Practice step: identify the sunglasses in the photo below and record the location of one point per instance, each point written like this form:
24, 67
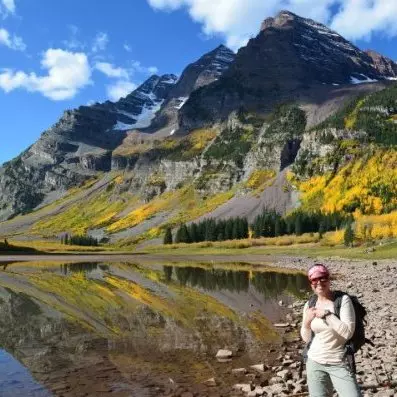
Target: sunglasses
319, 280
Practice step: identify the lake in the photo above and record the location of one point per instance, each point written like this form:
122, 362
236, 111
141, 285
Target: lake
128, 329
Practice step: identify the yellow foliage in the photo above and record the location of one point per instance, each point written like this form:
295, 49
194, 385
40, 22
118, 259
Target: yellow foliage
351, 119
368, 184
376, 226
333, 238
200, 138
189, 203
96, 211
259, 178
118, 180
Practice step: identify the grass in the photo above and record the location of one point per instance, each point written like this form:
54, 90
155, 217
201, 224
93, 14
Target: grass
7, 247
252, 247
54, 246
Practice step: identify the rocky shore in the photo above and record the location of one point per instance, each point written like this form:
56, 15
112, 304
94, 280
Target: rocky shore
374, 283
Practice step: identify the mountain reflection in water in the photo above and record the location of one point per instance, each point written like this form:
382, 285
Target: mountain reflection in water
99, 328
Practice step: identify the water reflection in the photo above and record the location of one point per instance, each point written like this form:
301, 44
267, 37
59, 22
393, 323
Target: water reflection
84, 267
270, 284
72, 324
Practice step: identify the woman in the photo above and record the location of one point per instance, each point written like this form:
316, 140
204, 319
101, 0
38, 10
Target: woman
326, 366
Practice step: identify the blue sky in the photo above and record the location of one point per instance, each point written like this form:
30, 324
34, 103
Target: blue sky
57, 55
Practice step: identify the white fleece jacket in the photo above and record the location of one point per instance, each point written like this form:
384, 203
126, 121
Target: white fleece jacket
330, 334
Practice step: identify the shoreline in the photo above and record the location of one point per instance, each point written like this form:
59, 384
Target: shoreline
374, 282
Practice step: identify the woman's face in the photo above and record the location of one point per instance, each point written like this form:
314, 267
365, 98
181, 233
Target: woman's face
321, 286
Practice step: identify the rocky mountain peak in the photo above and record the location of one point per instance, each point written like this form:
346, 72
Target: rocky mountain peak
383, 64
207, 69
288, 57
281, 19
204, 71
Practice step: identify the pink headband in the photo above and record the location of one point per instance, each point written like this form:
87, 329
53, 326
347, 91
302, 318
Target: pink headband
317, 271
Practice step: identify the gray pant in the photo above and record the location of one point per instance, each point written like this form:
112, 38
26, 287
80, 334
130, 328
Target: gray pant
322, 378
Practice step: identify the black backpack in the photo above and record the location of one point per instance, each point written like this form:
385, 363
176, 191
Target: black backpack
358, 339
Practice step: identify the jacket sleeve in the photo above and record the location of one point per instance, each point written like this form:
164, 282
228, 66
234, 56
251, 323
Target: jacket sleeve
306, 333
345, 325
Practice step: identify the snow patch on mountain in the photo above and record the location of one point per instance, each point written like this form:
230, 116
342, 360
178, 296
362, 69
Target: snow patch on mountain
365, 79
181, 101
143, 120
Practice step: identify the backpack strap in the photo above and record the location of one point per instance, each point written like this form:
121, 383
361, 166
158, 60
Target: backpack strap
337, 298
312, 301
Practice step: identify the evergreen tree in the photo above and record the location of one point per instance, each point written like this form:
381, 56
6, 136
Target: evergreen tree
321, 229
277, 227
184, 234
168, 236
229, 229
349, 235
298, 225
194, 233
235, 232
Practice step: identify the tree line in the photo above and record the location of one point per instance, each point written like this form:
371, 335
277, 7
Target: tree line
272, 224
209, 230
77, 239
267, 224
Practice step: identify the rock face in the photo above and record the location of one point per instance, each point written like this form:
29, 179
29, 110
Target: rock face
290, 56
384, 65
209, 68
76, 147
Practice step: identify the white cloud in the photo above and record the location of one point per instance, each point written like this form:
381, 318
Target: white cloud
68, 72
238, 20
127, 47
136, 66
123, 85
73, 43
9, 6
100, 42
13, 42
120, 89
111, 71
153, 70
359, 19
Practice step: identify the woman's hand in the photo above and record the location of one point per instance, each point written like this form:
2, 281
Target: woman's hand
309, 315
320, 313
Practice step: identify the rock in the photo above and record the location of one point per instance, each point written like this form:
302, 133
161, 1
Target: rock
281, 325
259, 367
237, 371
245, 387
285, 374
224, 354
259, 390
210, 382
275, 379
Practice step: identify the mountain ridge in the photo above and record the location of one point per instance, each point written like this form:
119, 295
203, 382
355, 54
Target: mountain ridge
219, 140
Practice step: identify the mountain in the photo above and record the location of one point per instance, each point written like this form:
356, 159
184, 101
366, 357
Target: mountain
209, 68
81, 143
298, 107
76, 147
290, 58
